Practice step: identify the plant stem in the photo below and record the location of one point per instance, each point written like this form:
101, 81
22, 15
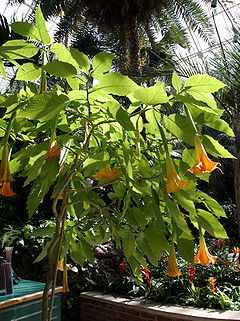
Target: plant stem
189, 116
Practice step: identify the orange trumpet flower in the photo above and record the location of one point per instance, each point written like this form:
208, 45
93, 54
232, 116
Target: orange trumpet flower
203, 256
64, 268
53, 149
173, 269
106, 173
174, 182
203, 164
5, 175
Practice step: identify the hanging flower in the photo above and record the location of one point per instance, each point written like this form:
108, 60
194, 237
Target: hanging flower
53, 149
106, 173
5, 175
173, 269
64, 268
203, 256
174, 182
212, 282
203, 164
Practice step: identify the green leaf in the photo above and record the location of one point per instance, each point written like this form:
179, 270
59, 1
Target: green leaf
63, 54
42, 184
45, 106
135, 267
2, 69
18, 49
128, 244
81, 59
183, 200
76, 253
60, 69
204, 97
35, 170
26, 29
185, 247
139, 217
214, 148
180, 127
41, 26
153, 95
28, 71
43, 231
87, 250
95, 162
120, 114
211, 224
43, 253
176, 82
101, 63
212, 204
146, 249
155, 238
116, 84
203, 83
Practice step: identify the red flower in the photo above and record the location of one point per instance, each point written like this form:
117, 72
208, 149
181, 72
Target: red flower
122, 268
191, 270
219, 243
212, 282
146, 273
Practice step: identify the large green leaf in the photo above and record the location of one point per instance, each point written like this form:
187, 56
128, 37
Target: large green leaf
41, 185
153, 95
87, 250
43, 231
81, 59
2, 69
26, 29
211, 224
28, 71
128, 244
101, 63
76, 253
63, 54
41, 26
115, 83
203, 83
120, 114
60, 69
45, 106
155, 238
180, 127
43, 254
212, 205
214, 148
146, 249
176, 82
204, 97
185, 247
18, 49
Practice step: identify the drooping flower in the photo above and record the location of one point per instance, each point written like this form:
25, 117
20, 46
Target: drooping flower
53, 149
5, 175
203, 256
64, 268
212, 282
174, 182
173, 269
203, 164
106, 173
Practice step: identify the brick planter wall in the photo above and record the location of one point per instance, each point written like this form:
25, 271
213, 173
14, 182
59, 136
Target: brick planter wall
95, 306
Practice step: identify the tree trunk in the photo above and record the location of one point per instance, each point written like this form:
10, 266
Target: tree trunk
134, 48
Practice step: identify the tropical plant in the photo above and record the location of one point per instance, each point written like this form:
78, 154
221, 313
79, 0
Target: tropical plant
77, 140
130, 29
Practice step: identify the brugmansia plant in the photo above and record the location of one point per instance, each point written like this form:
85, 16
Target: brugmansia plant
78, 141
